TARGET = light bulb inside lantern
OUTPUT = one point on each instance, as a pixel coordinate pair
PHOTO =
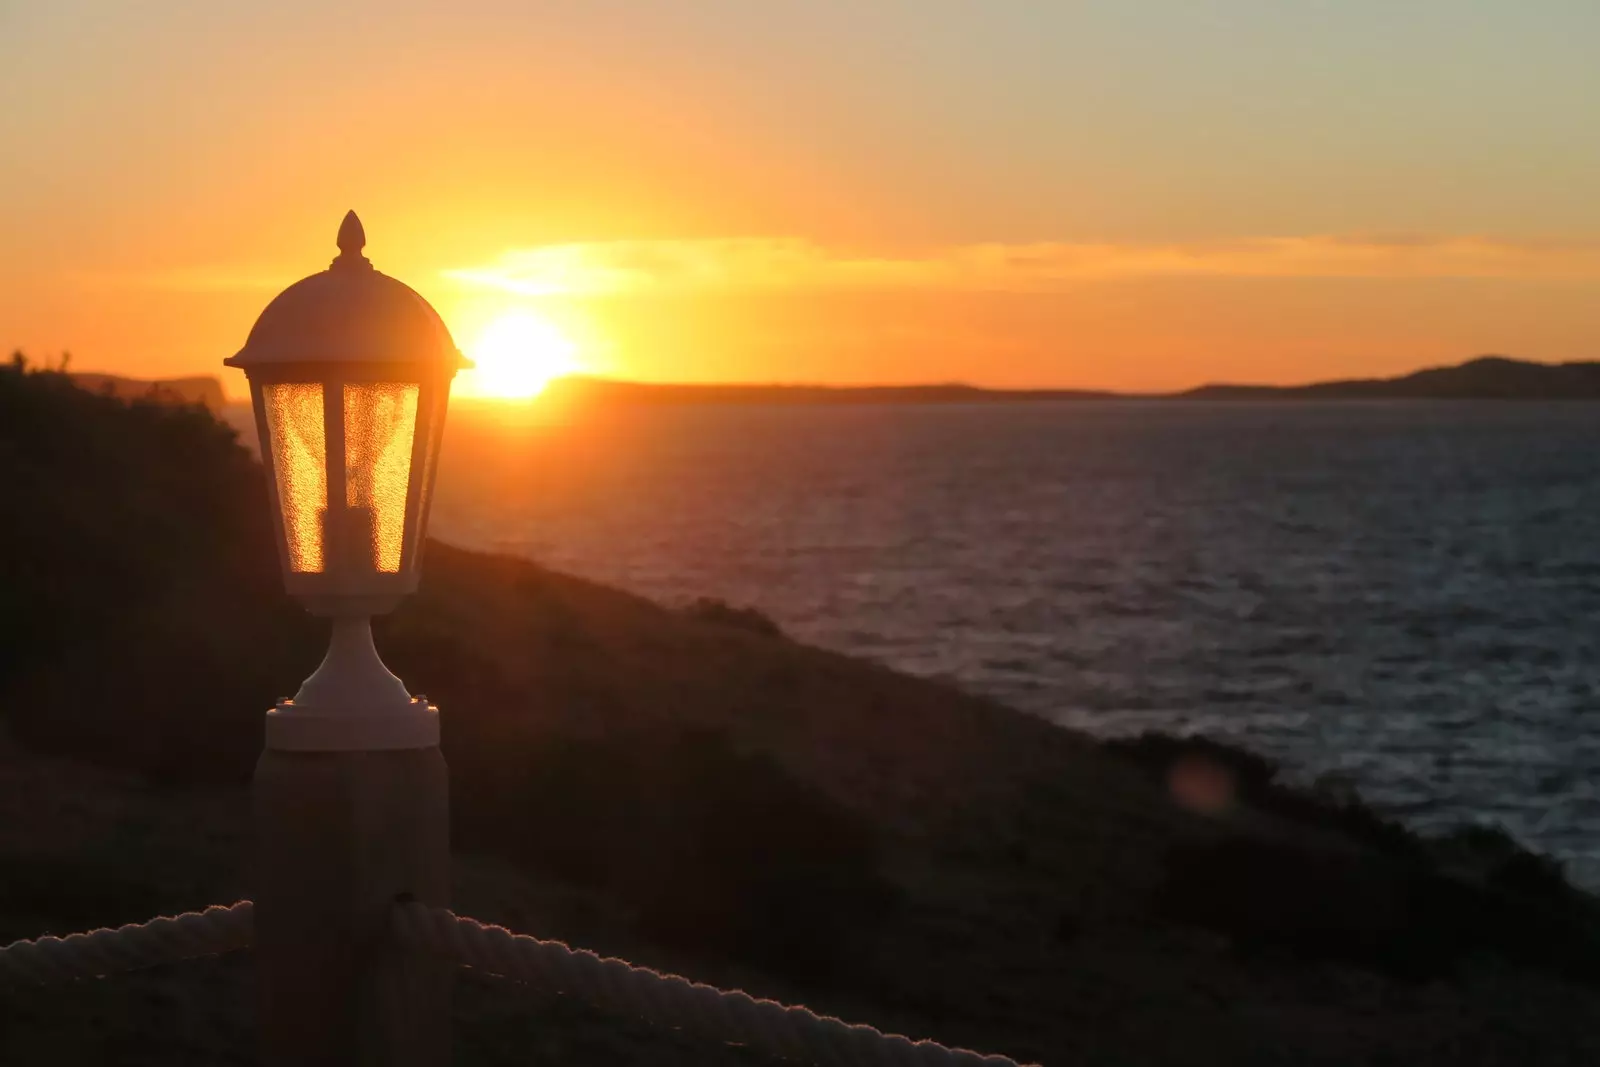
(380, 420)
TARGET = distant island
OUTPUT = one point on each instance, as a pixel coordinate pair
(583, 389)
(1485, 378)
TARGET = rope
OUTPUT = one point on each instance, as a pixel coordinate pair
(128, 948)
(791, 1032)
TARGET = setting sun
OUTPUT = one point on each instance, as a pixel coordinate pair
(516, 355)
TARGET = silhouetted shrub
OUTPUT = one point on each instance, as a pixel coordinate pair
(1492, 857)
(1402, 904)
(1255, 783)
(720, 613)
(1279, 898)
(1400, 919)
(1486, 856)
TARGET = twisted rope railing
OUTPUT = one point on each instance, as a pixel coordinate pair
(790, 1031)
(127, 948)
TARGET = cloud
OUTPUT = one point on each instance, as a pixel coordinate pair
(792, 263)
(739, 263)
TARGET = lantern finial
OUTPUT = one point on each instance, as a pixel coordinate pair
(352, 239)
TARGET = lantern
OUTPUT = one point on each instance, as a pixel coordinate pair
(350, 375)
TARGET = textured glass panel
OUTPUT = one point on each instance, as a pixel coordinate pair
(380, 419)
(299, 460)
(439, 396)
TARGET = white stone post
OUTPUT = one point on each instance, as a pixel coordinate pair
(350, 815)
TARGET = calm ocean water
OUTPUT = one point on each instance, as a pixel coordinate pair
(1407, 594)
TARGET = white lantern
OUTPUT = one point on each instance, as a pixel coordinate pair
(350, 376)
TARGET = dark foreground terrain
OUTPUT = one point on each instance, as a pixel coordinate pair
(692, 790)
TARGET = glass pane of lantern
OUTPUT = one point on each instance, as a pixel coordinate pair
(299, 462)
(437, 397)
(380, 420)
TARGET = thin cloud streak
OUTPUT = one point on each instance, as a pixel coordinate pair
(763, 263)
(780, 263)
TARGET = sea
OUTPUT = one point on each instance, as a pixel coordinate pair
(1400, 596)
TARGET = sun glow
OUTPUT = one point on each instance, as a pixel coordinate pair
(516, 356)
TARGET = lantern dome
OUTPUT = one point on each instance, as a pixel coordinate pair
(349, 313)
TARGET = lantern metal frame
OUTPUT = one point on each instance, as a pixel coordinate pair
(336, 590)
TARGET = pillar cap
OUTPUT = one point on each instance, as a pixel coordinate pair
(295, 728)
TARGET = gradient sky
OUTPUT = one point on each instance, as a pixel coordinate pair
(1141, 194)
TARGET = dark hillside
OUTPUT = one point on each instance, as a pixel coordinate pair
(693, 790)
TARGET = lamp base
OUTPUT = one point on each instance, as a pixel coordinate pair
(352, 703)
(295, 728)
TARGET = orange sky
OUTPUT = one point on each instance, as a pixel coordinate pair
(1076, 194)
